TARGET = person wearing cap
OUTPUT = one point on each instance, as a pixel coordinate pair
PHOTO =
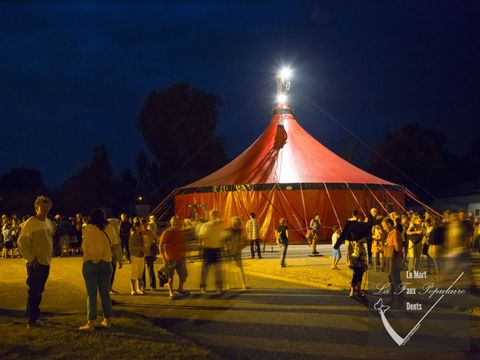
(35, 244)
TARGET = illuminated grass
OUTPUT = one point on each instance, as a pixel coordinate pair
(129, 338)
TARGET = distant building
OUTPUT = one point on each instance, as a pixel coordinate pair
(465, 196)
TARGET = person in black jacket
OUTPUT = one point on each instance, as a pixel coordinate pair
(125, 228)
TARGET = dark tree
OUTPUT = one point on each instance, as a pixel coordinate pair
(146, 178)
(18, 190)
(419, 159)
(178, 125)
(126, 190)
(91, 187)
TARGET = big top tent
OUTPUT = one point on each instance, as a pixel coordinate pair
(286, 173)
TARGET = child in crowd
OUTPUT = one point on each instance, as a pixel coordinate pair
(337, 255)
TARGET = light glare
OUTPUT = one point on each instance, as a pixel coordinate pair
(281, 98)
(285, 73)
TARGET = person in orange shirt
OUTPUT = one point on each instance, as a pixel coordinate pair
(394, 259)
(172, 249)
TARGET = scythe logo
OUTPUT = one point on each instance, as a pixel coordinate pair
(432, 313)
(382, 309)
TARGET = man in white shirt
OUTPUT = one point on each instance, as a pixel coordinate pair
(35, 244)
(211, 237)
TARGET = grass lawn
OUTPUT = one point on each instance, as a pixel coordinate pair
(129, 338)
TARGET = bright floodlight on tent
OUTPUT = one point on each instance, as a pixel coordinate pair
(285, 73)
(281, 98)
(283, 82)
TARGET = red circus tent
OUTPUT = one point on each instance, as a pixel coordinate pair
(288, 173)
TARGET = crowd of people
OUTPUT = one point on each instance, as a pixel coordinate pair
(409, 241)
(388, 243)
(103, 242)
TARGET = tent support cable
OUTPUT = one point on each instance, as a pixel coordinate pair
(378, 201)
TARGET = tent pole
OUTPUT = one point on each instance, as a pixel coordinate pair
(295, 216)
(333, 207)
(274, 209)
(241, 203)
(304, 208)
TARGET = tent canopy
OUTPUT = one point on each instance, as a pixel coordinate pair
(284, 154)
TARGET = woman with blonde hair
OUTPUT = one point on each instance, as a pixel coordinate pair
(99, 241)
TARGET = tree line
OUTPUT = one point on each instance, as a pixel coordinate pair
(178, 125)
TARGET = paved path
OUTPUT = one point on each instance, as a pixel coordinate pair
(275, 319)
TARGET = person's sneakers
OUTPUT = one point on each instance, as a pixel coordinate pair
(90, 325)
(105, 323)
(219, 291)
(203, 289)
(133, 292)
(113, 292)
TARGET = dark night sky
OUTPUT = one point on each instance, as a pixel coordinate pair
(74, 75)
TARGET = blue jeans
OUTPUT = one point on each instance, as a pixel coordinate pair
(97, 277)
(149, 260)
(284, 247)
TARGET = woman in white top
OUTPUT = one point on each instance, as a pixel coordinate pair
(98, 239)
